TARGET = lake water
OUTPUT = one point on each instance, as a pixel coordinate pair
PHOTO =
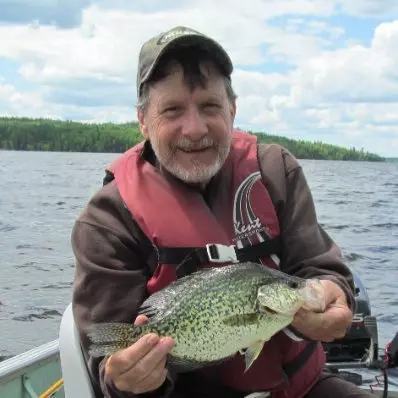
(41, 194)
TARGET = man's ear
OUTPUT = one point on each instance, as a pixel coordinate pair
(233, 111)
(142, 124)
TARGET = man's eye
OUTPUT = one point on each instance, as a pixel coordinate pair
(172, 112)
(210, 107)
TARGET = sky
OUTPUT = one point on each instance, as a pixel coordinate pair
(319, 70)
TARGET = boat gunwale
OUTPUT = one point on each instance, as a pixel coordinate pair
(23, 363)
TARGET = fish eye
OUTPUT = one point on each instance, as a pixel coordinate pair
(292, 284)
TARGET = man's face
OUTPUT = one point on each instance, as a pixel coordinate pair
(190, 130)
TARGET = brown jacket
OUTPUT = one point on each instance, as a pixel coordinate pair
(111, 252)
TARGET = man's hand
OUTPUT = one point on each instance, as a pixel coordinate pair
(141, 367)
(328, 325)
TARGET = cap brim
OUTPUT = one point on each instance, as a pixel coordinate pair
(199, 41)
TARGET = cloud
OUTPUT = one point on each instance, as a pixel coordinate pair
(369, 8)
(351, 93)
(64, 14)
(44, 103)
(86, 93)
(300, 70)
(17, 103)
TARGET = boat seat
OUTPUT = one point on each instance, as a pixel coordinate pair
(77, 381)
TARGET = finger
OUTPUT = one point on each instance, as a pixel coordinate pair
(340, 319)
(149, 362)
(158, 354)
(334, 294)
(132, 381)
(149, 368)
(142, 368)
(125, 359)
(324, 327)
(329, 291)
(308, 324)
(140, 320)
(302, 312)
(316, 326)
(153, 381)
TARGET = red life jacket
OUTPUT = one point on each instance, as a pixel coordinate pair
(174, 216)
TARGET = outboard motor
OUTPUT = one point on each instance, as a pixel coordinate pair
(362, 339)
(359, 349)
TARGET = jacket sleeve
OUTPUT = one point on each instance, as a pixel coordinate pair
(110, 277)
(308, 250)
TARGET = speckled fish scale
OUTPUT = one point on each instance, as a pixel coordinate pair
(211, 314)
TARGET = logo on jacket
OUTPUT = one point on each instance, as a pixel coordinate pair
(247, 226)
(248, 229)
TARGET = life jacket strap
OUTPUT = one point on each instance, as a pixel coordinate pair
(293, 366)
(189, 259)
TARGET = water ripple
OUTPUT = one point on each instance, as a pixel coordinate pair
(6, 227)
(37, 221)
(39, 314)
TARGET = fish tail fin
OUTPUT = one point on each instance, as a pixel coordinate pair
(107, 338)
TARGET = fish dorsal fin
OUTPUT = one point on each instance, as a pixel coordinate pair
(159, 302)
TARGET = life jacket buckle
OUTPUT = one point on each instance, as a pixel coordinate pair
(218, 253)
(261, 394)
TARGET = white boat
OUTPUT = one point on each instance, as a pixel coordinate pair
(57, 369)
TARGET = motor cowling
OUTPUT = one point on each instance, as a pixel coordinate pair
(357, 342)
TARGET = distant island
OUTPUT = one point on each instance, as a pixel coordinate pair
(26, 134)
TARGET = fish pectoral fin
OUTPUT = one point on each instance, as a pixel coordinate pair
(241, 319)
(252, 353)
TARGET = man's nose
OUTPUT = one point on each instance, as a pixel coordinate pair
(195, 126)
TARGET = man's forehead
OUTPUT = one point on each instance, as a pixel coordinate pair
(198, 94)
(175, 82)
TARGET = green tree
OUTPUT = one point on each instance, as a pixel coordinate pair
(56, 135)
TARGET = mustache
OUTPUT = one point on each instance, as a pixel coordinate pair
(189, 145)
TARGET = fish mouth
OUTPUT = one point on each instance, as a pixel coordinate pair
(264, 309)
(314, 296)
(268, 310)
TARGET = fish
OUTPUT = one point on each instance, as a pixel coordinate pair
(214, 314)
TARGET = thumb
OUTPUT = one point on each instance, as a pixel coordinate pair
(333, 292)
(140, 320)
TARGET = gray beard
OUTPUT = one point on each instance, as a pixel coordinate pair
(199, 173)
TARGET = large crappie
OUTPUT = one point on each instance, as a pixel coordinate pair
(214, 313)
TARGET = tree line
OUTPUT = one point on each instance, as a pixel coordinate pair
(28, 134)
(320, 150)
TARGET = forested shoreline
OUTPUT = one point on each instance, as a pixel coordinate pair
(27, 134)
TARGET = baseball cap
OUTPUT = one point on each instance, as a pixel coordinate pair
(153, 49)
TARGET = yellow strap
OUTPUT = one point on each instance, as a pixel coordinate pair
(52, 389)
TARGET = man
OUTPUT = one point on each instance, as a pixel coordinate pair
(194, 181)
